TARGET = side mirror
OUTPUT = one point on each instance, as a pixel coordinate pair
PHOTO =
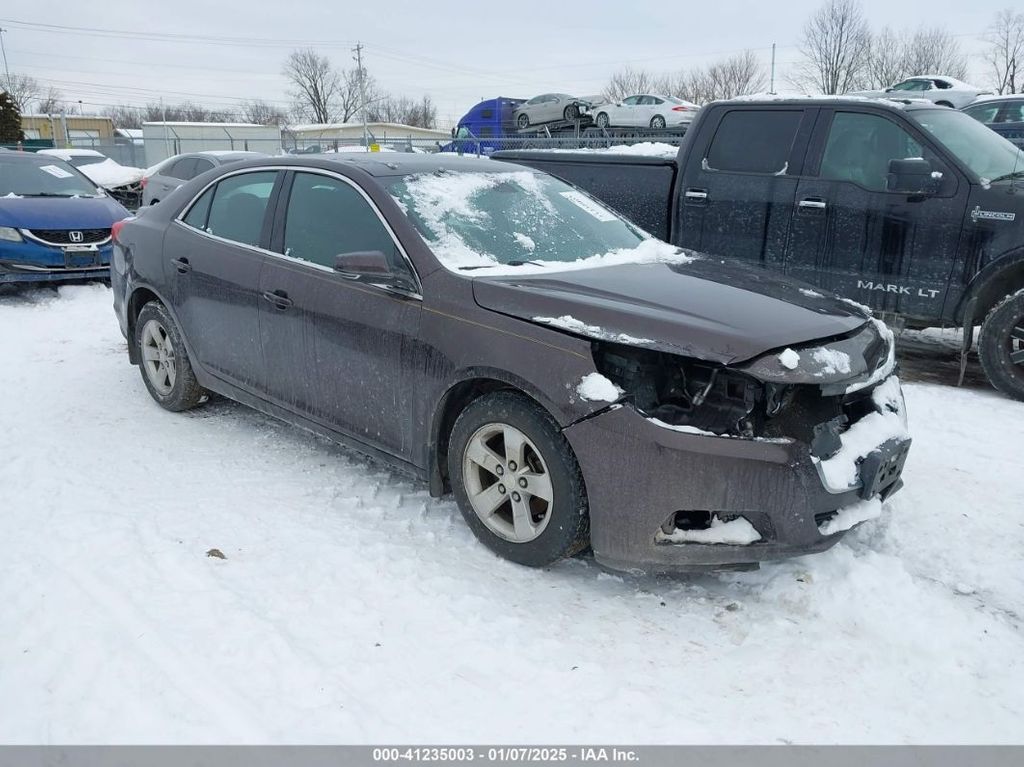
(913, 176)
(453, 132)
(373, 267)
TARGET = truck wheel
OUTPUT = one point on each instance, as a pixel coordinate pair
(165, 366)
(571, 112)
(657, 122)
(517, 481)
(1002, 346)
(523, 122)
(602, 120)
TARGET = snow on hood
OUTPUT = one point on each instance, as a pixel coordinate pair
(109, 174)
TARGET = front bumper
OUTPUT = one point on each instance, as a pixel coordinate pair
(31, 261)
(639, 474)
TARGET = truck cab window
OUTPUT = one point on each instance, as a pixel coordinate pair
(860, 146)
(754, 141)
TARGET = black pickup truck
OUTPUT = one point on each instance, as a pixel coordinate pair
(913, 209)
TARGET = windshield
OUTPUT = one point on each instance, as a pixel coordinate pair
(475, 220)
(982, 150)
(54, 178)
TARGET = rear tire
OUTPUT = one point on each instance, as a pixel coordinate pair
(1001, 347)
(944, 104)
(163, 361)
(657, 122)
(530, 504)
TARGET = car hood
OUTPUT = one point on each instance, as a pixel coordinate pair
(707, 309)
(110, 175)
(59, 212)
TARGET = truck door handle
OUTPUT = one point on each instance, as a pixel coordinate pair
(813, 203)
(182, 265)
(278, 298)
(696, 196)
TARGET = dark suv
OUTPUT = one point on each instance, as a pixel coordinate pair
(497, 332)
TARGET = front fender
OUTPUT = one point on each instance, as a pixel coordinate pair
(1000, 277)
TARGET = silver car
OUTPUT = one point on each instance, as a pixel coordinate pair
(165, 177)
(549, 107)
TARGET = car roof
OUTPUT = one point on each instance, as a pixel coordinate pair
(393, 163)
(31, 157)
(895, 104)
(71, 153)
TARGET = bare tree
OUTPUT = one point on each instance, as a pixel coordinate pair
(737, 75)
(628, 82)
(260, 112)
(23, 90)
(51, 103)
(124, 116)
(933, 50)
(404, 110)
(887, 59)
(835, 45)
(1005, 53)
(350, 95)
(316, 85)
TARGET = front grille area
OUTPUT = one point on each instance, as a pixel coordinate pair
(62, 237)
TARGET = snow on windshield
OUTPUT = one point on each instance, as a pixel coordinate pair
(519, 222)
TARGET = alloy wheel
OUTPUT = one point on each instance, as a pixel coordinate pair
(158, 357)
(1016, 341)
(508, 482)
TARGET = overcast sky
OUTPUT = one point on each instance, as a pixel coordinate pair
(458, 52)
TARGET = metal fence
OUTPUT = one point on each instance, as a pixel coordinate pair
(479, 146)
(122, 150)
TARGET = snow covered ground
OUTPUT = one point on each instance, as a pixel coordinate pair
(351, 607)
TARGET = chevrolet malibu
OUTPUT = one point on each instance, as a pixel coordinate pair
(505, 337)
(54, 223)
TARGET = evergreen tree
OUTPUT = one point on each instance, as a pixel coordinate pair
(10, 121)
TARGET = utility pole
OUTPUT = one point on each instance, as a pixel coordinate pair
(772, 89)
(362, 87)
(7, 72)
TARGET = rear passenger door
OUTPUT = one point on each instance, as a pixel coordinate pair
(740, 182)
(336, 349)
(214, 254)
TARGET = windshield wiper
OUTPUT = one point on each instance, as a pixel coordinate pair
(1007, 176)
(505, 263)
(47, 194)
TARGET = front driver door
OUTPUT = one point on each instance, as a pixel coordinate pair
(891, 250)
(214, 253)
(336, 350)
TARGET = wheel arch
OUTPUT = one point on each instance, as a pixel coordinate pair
(472, 385)
(1003, 276)
(142, 295)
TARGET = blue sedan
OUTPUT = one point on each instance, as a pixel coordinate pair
(54, 223)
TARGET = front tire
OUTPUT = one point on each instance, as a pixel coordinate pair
(517, 481)
(602, 120)
(944, 104)
(523, 121)
(571, 112)
(1001, 347)
(163, 361)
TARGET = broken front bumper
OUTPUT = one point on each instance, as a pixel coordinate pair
(639, 474)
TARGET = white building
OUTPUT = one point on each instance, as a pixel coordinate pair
(332, 135)
(164, 139)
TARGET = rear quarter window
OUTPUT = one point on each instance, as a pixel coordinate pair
(754, 141)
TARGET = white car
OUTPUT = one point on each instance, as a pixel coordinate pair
(645, 111)
(939, 89)
(123, 182)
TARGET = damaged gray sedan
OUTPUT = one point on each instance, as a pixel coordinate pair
(503, 336)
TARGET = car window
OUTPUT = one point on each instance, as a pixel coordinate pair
(985, 113)
(860, 146)
(178, 169)
(201, 166)
(200, 210)
(754, 141)
(327, 217)
(1013, 112)
(239, 204)
(941, 84)
(631, 101)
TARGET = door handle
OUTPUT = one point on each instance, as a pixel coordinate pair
(278, 298)
(813, 203)
(696, 196)
(182, 265)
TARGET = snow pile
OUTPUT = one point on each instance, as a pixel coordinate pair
(811, 293)
(527, 242)
(867, 435)
(110, 174)
(884, 370)
(12, 196)
(321, 626)
(643, 149)
(594, 387)
(789, 359)
(852, 515)
(649, 251)
(832, 361)
(573, 325)
(735, 532)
